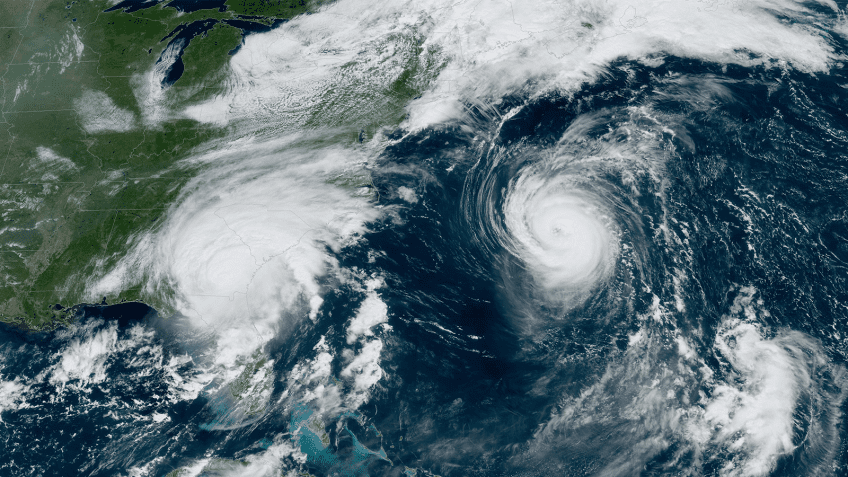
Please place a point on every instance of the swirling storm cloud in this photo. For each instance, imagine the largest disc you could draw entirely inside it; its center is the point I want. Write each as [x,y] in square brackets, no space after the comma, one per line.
[608,239]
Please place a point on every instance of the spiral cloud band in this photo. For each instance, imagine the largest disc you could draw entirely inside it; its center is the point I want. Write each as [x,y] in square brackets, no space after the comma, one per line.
[560,232]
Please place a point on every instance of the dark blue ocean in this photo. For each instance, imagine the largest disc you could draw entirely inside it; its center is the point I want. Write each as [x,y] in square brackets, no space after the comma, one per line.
[706,335]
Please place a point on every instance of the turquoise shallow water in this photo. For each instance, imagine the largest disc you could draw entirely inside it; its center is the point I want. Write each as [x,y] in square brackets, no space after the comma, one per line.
[705,208]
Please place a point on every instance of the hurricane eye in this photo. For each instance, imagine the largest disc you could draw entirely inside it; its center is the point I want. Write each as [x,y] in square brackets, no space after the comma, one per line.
[558,233]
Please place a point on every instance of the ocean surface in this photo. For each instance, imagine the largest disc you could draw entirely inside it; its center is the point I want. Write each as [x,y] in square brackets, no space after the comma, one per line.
[643,275]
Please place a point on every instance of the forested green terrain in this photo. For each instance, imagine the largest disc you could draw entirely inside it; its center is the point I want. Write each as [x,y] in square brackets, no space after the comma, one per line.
[84,167]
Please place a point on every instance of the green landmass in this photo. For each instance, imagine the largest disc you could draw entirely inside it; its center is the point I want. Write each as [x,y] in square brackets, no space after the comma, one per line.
[252,386]
[60,223]
[74,193]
